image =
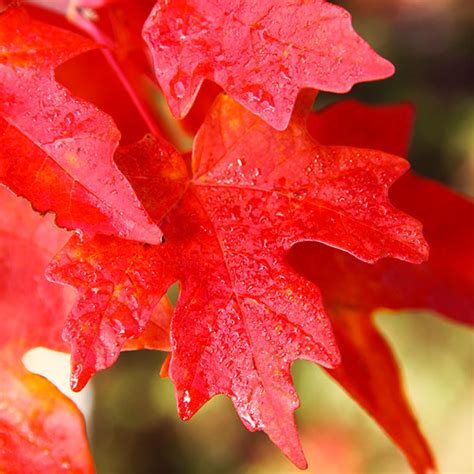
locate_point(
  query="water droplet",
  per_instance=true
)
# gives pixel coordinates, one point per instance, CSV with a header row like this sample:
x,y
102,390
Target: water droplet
x,y
69,119
186,398
75,376
178,90
248,418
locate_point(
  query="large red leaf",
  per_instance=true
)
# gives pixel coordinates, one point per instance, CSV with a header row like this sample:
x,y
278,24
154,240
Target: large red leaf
x,y
243,314
263,53
445,283
56,149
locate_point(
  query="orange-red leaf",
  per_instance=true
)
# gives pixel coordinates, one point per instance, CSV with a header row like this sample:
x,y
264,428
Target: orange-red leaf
x,y
243,315
370,374
41,430
55,149
262,53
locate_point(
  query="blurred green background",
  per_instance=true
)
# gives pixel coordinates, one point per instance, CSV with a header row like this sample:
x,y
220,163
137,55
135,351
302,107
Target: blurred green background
x,y
134,426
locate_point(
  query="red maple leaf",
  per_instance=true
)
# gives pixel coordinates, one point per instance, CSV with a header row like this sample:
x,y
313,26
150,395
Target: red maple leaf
x,y
262,53
55,149
445,283
243,314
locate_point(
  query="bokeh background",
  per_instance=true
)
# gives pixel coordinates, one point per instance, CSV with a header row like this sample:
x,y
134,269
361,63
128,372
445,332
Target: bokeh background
x,y
133,423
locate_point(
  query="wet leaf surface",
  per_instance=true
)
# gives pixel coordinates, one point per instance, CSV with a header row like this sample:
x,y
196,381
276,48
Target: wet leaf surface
x,y
261,53
55,149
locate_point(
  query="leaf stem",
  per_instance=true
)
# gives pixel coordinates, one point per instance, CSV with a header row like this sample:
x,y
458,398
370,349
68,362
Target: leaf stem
x,y
86,25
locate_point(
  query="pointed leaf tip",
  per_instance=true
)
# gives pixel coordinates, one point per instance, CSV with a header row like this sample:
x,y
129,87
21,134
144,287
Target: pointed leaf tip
x,y
261,53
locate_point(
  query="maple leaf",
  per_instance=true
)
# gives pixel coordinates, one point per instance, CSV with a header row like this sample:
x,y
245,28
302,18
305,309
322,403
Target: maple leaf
x,y
262,53
243,314
444,283
55,149
41,430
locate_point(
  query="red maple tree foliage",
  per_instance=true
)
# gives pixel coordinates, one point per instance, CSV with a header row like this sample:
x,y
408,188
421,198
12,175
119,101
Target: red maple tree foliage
x,y
285,228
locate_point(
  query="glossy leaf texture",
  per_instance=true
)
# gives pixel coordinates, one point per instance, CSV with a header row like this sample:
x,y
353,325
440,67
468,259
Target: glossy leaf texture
x,y
243,315
445,283
41,431
262,53
55,149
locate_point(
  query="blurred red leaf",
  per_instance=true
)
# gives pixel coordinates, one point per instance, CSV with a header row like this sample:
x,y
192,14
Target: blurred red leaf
x,y
386,128
243,315
55,149
27,244
41,431
262,53
445,283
